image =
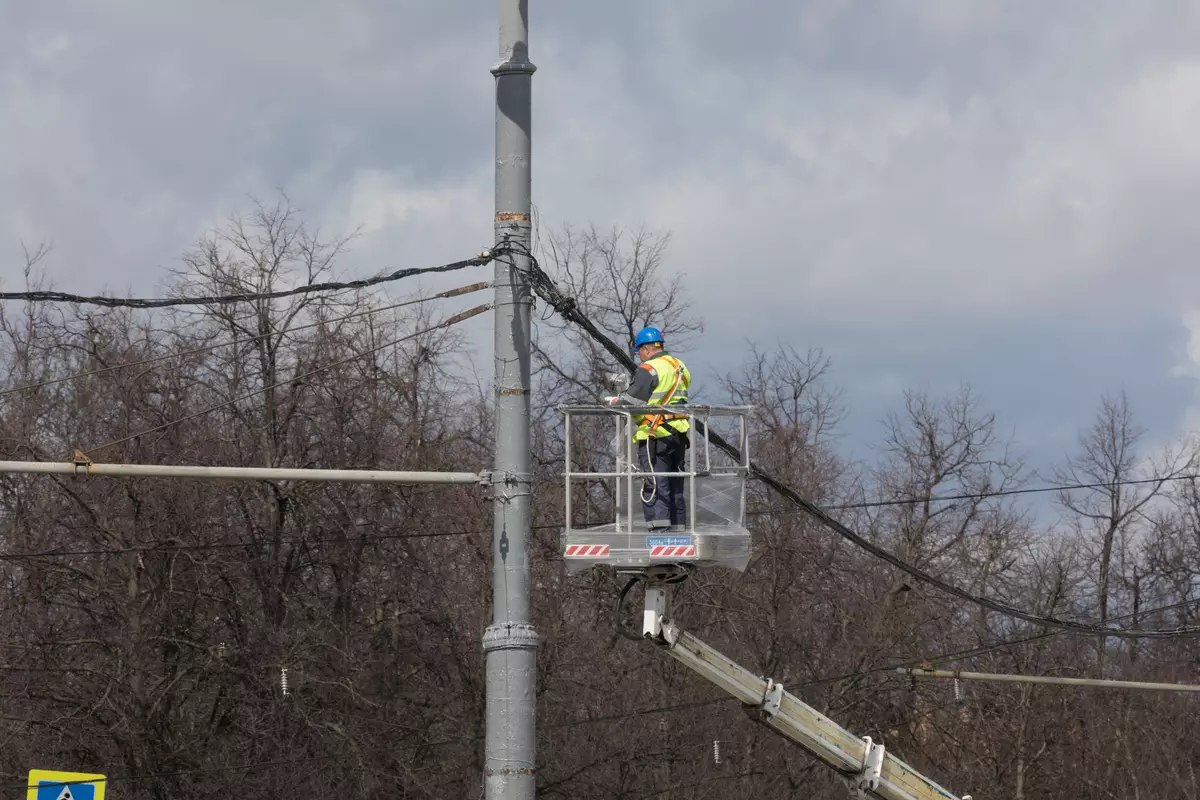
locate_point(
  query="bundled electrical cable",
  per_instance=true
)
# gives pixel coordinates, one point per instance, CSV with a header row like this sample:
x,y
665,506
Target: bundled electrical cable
x,y
545,288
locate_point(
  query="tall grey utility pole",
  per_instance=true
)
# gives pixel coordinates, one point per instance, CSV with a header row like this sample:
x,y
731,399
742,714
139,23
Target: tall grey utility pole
x,y
510,642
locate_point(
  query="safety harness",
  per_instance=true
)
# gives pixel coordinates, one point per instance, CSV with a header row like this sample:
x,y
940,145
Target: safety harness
x,y
663,419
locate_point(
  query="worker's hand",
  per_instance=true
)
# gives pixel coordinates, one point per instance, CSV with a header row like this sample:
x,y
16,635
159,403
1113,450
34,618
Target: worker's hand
x,y
612,401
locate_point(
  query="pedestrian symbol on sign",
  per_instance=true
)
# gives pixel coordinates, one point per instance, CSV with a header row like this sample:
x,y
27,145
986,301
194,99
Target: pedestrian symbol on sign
x,y
52,785
54,790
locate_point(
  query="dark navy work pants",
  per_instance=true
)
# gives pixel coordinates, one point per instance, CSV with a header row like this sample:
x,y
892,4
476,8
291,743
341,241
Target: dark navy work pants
x,y
667,501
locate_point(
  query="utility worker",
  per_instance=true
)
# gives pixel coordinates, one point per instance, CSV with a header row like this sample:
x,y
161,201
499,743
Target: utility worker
x,y
661,439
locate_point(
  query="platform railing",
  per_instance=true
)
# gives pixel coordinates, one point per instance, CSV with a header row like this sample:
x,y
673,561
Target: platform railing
x,y
699,455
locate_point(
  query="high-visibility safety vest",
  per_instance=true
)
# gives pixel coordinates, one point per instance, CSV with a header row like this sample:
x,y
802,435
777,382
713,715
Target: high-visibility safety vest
x,y
672,389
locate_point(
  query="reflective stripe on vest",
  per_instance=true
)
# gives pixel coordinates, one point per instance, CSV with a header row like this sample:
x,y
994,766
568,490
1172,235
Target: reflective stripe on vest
x,y
671,389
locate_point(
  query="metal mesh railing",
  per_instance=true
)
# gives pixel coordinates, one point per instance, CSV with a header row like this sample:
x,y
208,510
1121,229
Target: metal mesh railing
x,y
714,483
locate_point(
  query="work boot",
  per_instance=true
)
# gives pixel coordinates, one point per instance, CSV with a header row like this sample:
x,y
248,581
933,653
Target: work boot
x,y
677,528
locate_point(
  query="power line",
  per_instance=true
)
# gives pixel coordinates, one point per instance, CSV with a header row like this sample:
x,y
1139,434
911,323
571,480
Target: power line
x,y
945,498
389,748
638,713
156,548
983,649
255,765
929,660
947,587
568,308
666,709
339,756
330,286
444,324
181,547
475,287
1098,683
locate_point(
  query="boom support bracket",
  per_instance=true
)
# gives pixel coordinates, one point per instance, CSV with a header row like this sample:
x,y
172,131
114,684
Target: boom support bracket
x,y
872,769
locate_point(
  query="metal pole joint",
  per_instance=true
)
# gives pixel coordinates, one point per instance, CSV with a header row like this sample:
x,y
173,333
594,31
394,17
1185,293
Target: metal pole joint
x,y
513,67
510,636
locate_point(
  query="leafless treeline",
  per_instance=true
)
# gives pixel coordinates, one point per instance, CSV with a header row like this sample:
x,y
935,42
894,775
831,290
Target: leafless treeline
x,y
151,640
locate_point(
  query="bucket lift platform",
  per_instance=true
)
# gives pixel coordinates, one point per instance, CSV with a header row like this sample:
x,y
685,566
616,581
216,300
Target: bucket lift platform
x,y
603,484
604,487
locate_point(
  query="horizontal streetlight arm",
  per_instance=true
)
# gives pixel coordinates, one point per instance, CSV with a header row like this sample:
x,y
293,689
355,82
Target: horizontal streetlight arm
x,y
85,467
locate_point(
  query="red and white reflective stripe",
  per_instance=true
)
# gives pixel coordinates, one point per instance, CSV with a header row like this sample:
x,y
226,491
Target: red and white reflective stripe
x,y
673,550
587,550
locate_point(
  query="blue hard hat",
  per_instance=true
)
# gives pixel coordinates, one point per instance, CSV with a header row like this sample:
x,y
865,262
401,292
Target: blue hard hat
x,y
647,336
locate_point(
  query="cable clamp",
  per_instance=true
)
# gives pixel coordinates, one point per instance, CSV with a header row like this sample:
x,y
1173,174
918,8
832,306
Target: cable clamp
x,y
770,705
872,769
81,461
496,477
505,486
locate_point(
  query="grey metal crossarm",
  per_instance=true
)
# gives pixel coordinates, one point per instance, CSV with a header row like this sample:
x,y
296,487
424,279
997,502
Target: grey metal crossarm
x,y
869,768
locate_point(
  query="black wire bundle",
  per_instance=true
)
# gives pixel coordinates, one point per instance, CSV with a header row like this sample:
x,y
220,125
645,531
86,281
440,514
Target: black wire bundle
x,y
310,288
543,285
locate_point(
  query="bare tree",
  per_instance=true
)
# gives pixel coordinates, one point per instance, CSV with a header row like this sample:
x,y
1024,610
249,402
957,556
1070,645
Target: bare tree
x,y
618,279
175,632
145,625
1121,483
951,449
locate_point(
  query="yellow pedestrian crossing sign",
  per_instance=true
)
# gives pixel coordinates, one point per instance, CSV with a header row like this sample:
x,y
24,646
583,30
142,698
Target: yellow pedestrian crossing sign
x,y
46,784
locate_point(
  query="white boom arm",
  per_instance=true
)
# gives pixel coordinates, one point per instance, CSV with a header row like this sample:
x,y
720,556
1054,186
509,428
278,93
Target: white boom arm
x,y
864,763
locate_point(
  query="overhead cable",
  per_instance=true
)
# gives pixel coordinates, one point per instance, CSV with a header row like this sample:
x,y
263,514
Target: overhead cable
x,y
149,776
1066,487
173,547
1097,683
444,324
475,287
168,547
253,766
568,308
951,498
243,297
983,649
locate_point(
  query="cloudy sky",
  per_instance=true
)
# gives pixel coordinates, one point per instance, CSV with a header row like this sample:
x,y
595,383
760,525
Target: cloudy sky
x,y
934,191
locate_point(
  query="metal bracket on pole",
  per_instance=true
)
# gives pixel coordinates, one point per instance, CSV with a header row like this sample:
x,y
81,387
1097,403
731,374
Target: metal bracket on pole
x,y
494,478
872,769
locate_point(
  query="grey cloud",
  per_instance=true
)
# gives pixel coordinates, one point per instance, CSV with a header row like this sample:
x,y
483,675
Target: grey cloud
x,y
912,158
133,122
833,170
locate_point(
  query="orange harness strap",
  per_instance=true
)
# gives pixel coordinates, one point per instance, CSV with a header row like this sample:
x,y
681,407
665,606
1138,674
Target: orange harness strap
x,y
659,418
